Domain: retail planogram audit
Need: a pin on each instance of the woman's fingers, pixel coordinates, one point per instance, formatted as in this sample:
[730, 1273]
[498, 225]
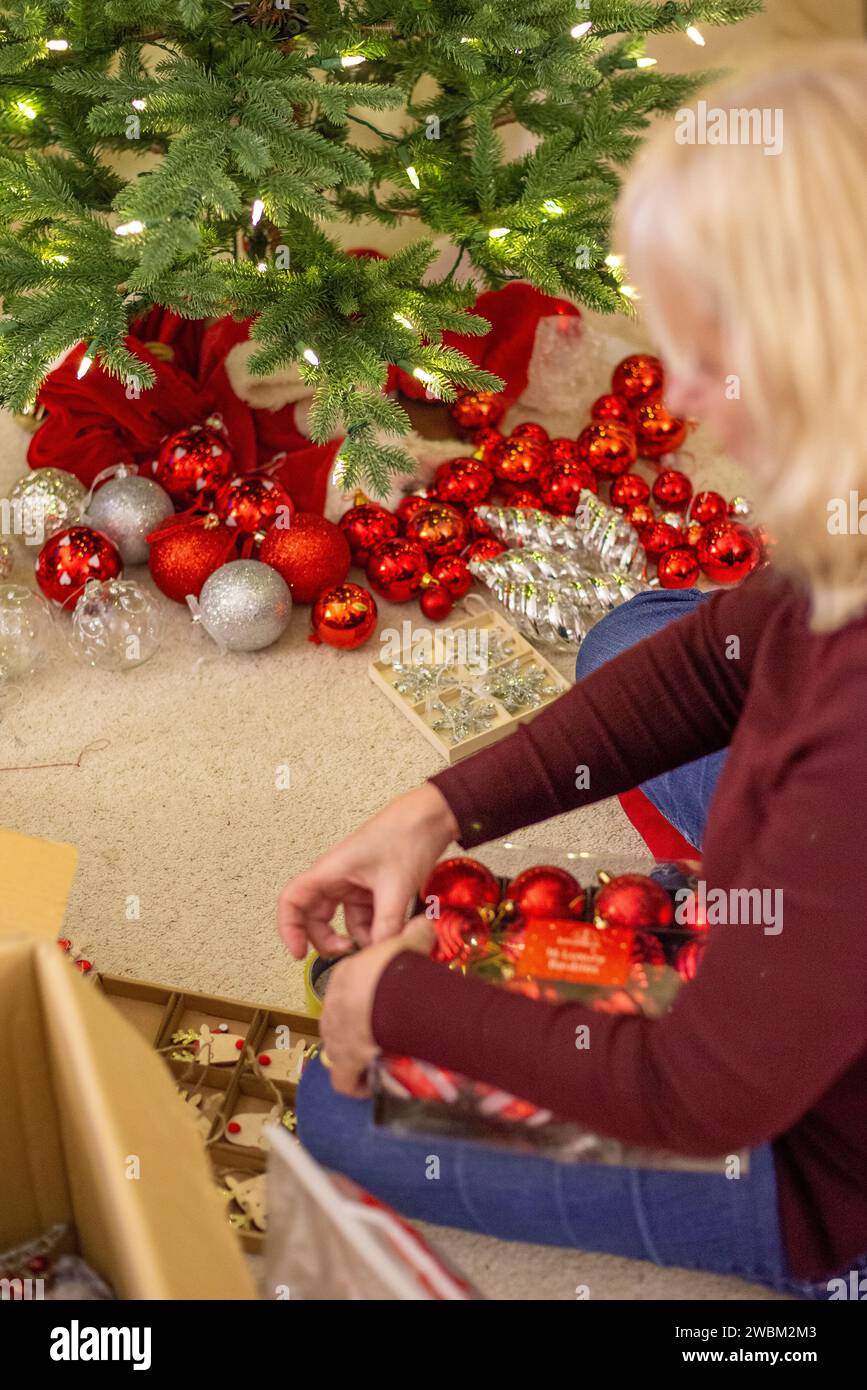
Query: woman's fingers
[304, 914]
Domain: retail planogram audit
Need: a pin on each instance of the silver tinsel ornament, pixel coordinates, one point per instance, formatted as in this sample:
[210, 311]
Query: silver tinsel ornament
[7, 560]
[43, 502]
[244, 606]
[598, 536]
[127, 508]
[115, 625]
[557, 611]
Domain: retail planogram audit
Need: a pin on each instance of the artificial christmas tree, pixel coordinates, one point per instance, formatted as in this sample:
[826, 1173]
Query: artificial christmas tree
[189, 153]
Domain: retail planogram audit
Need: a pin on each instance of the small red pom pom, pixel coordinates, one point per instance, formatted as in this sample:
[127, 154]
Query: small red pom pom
[233, 1127]
[264, 1060]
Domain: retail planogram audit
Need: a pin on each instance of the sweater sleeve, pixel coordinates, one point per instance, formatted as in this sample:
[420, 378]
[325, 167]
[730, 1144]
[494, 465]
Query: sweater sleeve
[765, 1028]
[671, 698]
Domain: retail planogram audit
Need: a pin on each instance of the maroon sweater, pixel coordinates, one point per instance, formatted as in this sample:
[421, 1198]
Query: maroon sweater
[769, 1042]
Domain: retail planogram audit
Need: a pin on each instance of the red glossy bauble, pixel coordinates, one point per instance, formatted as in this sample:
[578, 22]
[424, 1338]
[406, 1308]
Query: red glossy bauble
[659, 537]
[435, 601]
[523, 497]
[678, 568]
[408, 506]
[608, 447]
[251, 503]
[461, 934]
[657, 431]
[519, 460]
[727, 552]
[192, 464]
[312, 555]
[612, 407]
[343, 617]
[628, 489]
[473, 409]
[546, 891]
[451, 571]
[396, 569]
[463, 482]
[561, 485]
[640, 515]
[486, 440]
[634, 901]
[461, 882]
[562, 450]
[485, 548]
[69, 558]
[365, 525]
[530, 430]
[708, 506]
[672, 490]
[478, 528]
[639, 378]
[438, 528]
[688, 959]
[185, 551]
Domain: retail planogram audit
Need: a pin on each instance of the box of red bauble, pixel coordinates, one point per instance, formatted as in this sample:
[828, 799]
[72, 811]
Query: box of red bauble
[615, 936]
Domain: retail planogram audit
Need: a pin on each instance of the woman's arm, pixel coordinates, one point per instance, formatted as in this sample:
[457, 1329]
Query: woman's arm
[670, 699]
[769, 1023]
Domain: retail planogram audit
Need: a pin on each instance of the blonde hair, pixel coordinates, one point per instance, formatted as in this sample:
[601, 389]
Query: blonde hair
[770, 247]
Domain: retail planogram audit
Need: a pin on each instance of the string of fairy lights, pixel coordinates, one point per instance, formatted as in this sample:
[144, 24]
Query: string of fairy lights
[550, 207]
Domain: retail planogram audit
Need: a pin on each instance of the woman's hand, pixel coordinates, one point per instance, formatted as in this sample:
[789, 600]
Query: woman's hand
[374, 873]
[347, 1016]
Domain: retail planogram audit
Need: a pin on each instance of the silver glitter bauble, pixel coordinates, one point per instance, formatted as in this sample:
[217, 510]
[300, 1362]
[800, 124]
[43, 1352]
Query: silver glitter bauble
[115, 625]
[26, 631]
[244, 605]
[127, 509]
[41, 503]
[7, 560]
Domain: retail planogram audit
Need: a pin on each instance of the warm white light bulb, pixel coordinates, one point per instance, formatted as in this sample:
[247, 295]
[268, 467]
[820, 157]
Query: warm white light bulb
[552, 207]
[257, 210]
[696, 35]
[59, 259]
[57, 45]
[423, 376]
[579, 30]
[352, 60]
[129, 228]
[412, 175]
[497, 232]
[84, 365]
[645, 62]
[139, 103]
[615, 262]
[262, 266]
[310, 356]
[629, 291]
[26, 110]
[404, 321]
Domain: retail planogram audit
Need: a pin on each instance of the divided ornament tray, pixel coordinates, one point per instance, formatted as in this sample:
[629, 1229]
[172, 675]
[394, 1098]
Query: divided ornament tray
[229, 1090]
[462, 659]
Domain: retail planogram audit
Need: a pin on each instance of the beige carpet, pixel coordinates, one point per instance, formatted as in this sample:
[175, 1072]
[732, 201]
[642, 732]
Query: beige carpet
[180, 810]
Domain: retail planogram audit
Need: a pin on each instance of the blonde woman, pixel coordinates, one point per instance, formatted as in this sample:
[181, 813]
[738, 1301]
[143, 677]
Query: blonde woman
[746, 718]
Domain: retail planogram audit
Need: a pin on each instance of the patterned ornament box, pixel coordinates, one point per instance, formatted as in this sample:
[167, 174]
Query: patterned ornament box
[469, 684]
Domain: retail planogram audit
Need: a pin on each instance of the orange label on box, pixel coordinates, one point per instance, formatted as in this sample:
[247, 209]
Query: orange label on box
[576, 952]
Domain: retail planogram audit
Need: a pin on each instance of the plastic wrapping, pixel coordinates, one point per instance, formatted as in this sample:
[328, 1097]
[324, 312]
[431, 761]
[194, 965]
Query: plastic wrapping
[327, 1239]
[577, 957]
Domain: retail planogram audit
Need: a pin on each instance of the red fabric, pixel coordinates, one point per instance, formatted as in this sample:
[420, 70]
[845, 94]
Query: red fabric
[769, 1042]
[660, 836]
[514, 313]
[91, 424]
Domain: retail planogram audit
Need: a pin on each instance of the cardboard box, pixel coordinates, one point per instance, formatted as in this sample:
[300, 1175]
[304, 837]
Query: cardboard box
[91, 1130]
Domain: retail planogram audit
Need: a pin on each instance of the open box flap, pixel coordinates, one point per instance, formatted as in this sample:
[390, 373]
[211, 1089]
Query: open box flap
[35, 879]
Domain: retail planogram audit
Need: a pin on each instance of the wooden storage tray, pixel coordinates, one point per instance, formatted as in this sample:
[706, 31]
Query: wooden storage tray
[383, 675]
[157, 1011]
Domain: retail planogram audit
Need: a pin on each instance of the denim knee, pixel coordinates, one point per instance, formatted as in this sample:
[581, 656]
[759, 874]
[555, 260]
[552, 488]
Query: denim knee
[640, 617]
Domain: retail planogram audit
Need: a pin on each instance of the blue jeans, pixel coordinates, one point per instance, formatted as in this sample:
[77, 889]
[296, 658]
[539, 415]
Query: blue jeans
[702, 1221]
[684, 795]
